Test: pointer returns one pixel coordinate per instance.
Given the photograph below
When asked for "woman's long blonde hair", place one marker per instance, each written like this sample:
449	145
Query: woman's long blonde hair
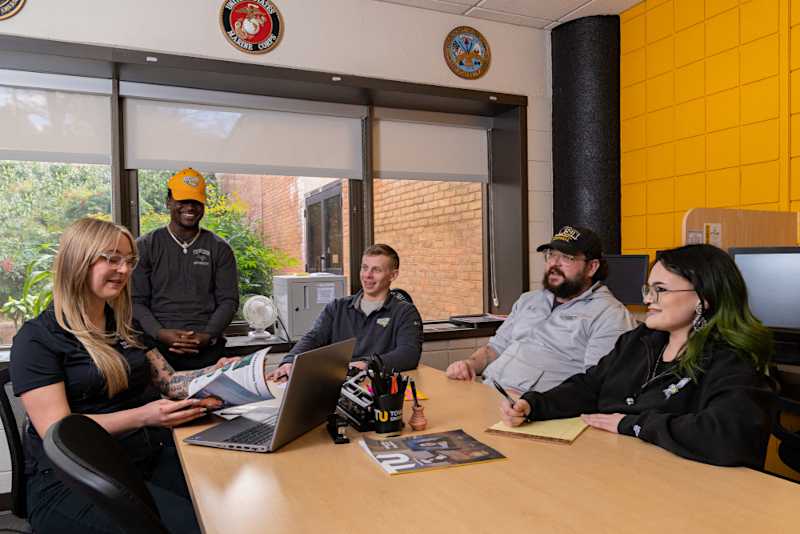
78	250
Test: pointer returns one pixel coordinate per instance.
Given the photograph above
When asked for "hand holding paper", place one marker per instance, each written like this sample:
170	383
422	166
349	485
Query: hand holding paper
239	382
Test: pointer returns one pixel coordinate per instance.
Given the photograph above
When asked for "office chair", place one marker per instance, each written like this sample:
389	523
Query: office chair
789	449
13	416
89	460
401	294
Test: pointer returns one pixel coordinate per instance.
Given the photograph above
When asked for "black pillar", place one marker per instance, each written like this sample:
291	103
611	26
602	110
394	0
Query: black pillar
586	154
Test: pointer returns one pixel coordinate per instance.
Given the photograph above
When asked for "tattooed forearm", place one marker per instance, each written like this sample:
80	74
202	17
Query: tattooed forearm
171	383
178	387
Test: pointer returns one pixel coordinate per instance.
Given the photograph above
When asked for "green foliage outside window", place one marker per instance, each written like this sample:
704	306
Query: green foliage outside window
37	289
39	200
226	216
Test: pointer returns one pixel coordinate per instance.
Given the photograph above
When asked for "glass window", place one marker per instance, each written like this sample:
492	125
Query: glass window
437	229
266	220
37	201
324	236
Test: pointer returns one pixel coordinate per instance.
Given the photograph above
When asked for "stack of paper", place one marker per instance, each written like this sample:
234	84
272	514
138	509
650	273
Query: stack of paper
558	430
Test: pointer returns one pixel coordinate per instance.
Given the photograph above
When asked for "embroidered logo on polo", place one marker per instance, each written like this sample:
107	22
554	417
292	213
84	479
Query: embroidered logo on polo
252	26
384	321
9	8
201	256
467	52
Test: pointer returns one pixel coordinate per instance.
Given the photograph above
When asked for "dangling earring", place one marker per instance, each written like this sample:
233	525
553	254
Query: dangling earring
699	321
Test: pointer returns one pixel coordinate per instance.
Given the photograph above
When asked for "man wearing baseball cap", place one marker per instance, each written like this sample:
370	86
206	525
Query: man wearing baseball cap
186	286
558	331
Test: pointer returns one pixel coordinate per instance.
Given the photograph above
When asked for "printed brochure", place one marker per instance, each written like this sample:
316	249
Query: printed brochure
409	454
237	383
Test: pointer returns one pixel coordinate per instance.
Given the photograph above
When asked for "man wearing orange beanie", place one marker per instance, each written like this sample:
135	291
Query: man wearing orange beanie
186	286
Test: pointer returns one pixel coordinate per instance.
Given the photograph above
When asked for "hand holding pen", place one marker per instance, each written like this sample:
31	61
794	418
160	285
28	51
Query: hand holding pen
513	412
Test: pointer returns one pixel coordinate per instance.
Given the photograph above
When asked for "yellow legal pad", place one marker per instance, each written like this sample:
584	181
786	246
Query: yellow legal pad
555	430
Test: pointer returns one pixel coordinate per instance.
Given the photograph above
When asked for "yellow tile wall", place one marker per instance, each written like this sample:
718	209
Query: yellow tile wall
710	112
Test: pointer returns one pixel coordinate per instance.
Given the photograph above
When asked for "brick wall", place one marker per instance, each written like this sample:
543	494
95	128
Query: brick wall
436	228
282	224
276	203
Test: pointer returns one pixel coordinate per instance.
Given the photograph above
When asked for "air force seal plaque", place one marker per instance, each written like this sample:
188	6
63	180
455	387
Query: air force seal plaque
9	8
252	26
467	53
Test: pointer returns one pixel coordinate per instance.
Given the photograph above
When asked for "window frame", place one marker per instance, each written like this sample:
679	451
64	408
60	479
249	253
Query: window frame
508	177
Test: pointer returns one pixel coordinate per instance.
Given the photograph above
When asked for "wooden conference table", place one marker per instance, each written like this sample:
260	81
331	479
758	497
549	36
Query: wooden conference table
603	482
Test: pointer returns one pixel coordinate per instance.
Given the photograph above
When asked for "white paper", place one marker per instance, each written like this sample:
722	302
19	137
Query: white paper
326	293
237	383
253	408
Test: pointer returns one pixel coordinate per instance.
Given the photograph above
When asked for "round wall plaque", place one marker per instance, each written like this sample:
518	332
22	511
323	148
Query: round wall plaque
252	26
467	52
9	8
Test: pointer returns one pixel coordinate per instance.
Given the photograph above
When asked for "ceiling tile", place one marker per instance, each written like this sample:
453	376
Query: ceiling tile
541	9
545	14
456	7
508	18
597	7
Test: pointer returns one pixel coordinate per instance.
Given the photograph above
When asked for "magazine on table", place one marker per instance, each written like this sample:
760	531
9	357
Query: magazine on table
237	383
409	454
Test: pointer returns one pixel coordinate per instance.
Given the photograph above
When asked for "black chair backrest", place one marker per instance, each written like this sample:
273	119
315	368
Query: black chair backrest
789	449
401	294
13	416
89	460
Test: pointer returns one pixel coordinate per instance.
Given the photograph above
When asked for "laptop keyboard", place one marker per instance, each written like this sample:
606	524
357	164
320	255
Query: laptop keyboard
255	435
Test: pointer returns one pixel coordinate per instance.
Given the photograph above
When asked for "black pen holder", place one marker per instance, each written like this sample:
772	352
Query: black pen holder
388	412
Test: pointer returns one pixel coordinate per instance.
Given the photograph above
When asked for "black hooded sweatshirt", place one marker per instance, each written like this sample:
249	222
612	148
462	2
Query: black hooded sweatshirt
722	418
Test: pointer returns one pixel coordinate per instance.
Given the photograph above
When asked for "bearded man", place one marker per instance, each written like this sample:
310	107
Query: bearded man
558	331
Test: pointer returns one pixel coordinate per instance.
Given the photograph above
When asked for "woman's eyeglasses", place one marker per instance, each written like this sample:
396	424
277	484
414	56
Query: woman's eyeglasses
116	260
655	291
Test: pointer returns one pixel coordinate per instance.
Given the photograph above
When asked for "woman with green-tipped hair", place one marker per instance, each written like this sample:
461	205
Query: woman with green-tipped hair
690	379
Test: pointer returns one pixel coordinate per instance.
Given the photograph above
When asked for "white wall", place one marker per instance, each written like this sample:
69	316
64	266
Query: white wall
356	37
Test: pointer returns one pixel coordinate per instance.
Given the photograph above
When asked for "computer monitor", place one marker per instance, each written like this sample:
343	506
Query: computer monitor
626	275
773	289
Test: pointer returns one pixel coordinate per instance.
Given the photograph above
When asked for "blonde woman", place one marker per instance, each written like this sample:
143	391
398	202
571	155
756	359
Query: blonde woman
81	356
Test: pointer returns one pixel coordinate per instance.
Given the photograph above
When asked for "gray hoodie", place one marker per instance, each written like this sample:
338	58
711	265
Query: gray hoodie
539	347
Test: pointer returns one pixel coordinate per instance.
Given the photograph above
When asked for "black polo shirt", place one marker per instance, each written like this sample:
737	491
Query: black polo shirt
43	353
394	331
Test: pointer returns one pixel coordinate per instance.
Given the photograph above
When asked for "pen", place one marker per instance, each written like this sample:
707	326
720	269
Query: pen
503	392
414	392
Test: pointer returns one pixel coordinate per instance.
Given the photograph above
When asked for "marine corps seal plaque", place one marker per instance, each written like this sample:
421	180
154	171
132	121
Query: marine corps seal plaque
252	26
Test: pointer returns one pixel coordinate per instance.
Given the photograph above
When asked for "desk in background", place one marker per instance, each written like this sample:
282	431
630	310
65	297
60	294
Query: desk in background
601	483
443	343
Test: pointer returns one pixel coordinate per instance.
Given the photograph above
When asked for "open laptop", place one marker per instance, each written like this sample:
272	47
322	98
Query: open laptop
310	396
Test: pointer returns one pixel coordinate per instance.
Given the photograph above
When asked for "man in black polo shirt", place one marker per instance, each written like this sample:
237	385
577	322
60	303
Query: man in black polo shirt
381	322
186	287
